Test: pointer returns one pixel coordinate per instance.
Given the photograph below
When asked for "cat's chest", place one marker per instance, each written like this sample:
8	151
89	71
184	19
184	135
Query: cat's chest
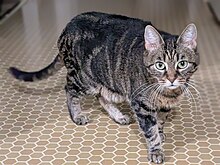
169	98
167	102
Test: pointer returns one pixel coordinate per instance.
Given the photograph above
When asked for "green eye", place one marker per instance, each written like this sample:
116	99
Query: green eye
160	66
182	64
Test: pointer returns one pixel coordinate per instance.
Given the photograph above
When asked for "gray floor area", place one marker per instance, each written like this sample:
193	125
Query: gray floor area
35	127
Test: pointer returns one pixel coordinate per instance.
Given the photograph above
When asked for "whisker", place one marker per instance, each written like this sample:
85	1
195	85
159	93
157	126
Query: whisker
194	80
159	91
184	91
147	84
195	90
192	97
152	95
188	94
138	89
196	85
145	89
156	95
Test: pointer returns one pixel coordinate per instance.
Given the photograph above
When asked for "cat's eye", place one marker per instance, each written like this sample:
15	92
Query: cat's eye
182	64
160	65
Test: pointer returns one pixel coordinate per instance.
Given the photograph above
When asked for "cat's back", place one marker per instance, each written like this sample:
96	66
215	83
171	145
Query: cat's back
98	22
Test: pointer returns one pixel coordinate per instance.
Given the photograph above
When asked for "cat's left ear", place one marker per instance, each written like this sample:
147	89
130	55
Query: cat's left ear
188	37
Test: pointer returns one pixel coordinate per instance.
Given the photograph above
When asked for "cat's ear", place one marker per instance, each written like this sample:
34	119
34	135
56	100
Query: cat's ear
188	37
153	39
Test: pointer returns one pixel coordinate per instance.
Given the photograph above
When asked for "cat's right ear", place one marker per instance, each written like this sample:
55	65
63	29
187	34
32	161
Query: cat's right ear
153	39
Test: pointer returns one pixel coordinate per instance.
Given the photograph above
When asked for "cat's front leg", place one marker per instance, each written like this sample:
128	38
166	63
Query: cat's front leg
162	115
148	123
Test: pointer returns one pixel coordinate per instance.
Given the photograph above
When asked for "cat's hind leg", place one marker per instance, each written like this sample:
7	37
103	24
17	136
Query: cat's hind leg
73	103
114	112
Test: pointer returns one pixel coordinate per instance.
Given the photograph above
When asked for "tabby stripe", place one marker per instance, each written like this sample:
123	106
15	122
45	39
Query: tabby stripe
95	52
165	110
192	71
155	147
155	140
109	67
168	55
173	54
126	83
177	57
73	81
119	53
164	56
154	136
150	65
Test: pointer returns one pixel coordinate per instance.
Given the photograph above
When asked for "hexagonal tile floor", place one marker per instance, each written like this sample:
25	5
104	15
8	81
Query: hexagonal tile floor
35	127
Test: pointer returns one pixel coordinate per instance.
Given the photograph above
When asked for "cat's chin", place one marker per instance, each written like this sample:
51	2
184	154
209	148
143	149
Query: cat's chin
172	92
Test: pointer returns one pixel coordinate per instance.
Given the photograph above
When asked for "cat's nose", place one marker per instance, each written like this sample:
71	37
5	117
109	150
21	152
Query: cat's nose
171	75
171	79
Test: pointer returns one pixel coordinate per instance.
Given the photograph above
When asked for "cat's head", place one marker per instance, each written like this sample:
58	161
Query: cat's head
171	60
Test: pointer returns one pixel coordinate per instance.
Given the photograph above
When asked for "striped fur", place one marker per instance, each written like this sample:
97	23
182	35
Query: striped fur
114	57
50	70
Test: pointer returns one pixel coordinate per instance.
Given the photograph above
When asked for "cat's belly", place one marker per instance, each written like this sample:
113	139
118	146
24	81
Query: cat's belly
108	94
111	96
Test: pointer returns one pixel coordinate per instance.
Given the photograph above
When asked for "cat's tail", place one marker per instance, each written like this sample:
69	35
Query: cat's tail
44	73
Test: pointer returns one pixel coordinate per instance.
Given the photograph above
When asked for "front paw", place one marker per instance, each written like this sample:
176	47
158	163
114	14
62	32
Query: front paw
156	156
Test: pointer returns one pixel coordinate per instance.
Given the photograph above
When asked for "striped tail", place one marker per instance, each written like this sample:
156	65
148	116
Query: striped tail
50	70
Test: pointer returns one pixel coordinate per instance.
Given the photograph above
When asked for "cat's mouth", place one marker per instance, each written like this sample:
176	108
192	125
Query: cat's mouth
172	87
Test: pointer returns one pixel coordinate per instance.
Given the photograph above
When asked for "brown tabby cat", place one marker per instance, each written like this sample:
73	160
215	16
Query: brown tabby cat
119	59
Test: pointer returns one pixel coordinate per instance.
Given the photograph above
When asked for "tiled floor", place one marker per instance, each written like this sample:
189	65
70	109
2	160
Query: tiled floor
35	127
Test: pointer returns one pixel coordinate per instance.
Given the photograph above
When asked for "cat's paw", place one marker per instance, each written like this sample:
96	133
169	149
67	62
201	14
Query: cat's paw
162	137
124	120
156	156
81	120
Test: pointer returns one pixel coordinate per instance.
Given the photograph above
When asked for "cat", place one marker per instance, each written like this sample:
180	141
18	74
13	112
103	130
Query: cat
122	59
